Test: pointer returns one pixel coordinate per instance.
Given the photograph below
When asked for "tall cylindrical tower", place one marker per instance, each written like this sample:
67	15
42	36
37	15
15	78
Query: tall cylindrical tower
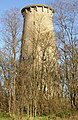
37	25
38	57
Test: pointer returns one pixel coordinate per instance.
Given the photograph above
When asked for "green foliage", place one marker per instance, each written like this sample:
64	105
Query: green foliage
64	114
54	116
4	116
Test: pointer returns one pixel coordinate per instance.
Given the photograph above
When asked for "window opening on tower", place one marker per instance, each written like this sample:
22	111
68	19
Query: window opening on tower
33	22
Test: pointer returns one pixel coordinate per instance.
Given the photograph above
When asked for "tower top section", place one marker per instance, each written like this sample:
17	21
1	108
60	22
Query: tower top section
36	6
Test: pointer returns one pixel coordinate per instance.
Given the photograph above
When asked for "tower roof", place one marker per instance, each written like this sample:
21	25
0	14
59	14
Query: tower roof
37	5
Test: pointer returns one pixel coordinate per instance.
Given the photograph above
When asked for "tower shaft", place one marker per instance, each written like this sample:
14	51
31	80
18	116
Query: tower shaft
38	56
37	29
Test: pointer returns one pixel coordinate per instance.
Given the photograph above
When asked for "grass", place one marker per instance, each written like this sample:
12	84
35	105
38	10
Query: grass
4	116
60	115
44	118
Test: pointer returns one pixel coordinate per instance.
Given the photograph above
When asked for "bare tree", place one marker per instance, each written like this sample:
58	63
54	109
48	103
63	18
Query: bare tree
38	71
67	44
11	36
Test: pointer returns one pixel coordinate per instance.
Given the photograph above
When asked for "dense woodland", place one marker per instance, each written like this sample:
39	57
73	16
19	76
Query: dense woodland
30	95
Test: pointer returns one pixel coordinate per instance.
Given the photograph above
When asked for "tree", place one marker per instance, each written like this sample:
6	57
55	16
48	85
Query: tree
11	35
38	71
67	43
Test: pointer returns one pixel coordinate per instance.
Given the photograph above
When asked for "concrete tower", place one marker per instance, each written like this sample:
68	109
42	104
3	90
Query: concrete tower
38	50
38	59
38	27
